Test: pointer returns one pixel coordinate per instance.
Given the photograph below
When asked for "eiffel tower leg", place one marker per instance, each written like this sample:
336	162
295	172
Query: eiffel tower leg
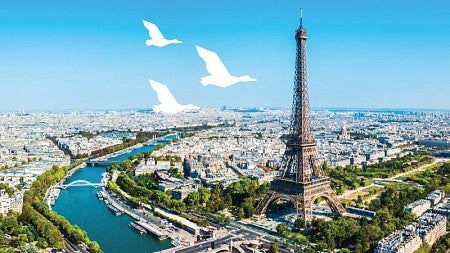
333	202
264	203
305	209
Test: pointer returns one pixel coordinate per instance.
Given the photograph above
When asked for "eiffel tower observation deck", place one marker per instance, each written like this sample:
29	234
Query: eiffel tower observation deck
302	180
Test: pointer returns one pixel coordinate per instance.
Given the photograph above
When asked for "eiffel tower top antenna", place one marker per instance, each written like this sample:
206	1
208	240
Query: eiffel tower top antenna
301	17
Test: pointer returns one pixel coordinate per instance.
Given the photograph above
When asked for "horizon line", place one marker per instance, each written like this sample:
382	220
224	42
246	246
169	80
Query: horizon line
314	108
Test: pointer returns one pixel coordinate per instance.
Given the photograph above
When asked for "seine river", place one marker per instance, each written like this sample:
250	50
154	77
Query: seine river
81	206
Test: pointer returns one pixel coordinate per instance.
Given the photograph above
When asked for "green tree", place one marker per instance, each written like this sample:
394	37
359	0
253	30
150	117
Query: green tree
42	243
193	198
299	224
248	210
204	195
274	248
10	224
424	248
282	228
175	172
94	247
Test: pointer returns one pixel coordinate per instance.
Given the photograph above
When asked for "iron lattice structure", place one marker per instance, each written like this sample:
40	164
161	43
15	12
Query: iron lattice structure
302	179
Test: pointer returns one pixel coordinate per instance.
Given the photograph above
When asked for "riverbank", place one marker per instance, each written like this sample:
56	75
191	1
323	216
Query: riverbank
52	193
155	226
120	152
50	226
81	206
124	154
178	236
133	147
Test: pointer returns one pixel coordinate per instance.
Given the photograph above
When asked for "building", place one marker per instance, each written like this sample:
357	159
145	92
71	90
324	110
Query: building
361	212
162	175
184	191
443	208
431	226
344	134
144	169
435	196
402	241
14	203
418	207
192	168
427	228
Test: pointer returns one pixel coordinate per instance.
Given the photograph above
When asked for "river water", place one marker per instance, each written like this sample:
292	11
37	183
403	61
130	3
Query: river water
81	206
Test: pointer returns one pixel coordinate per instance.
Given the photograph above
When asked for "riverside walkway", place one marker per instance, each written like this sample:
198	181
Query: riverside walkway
151	224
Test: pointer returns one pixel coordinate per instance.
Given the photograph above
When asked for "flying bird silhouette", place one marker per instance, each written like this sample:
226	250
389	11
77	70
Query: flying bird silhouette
157	39
219	75
168	102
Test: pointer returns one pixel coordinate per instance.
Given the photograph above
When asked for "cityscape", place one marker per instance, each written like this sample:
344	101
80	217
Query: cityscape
231	161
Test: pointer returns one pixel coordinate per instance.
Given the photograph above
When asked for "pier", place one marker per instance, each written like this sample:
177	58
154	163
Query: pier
141	220
154	231
114	209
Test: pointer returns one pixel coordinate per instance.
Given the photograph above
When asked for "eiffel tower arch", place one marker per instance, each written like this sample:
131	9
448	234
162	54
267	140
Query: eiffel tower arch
302	180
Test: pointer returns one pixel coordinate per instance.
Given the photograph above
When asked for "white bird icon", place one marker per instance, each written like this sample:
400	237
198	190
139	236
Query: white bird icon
168	102
157	39
219	75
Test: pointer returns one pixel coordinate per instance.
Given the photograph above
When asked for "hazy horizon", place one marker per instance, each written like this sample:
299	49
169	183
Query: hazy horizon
229	108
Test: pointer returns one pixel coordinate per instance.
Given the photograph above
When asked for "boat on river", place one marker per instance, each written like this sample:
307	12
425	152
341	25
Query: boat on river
115	210
136	227
99	195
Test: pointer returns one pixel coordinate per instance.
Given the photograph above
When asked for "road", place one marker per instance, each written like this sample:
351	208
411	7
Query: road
205	245
421	168
248	233
238	232
72	248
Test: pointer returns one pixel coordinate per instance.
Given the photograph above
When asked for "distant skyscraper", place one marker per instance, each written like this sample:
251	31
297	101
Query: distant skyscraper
344	134
302	180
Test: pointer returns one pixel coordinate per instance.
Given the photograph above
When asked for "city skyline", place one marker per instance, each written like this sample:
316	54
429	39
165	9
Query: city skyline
93	55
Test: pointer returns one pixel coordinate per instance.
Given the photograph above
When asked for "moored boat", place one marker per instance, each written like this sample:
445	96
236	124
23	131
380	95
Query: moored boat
136	227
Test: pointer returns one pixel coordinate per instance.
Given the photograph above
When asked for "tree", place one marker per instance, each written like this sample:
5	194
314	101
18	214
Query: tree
424	248
299	224
38	221
309	250
174	172
248	210
193	199
204	194
94	247
240	213
42	243
274	248
125	164
359	201
203	223
282	228
7	189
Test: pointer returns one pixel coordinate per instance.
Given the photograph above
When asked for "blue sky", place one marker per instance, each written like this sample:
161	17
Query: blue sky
91	54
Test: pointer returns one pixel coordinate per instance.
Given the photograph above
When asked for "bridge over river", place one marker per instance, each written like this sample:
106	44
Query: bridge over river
79	183
99	162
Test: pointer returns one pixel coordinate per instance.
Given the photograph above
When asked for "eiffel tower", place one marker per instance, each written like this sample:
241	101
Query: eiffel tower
302	180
